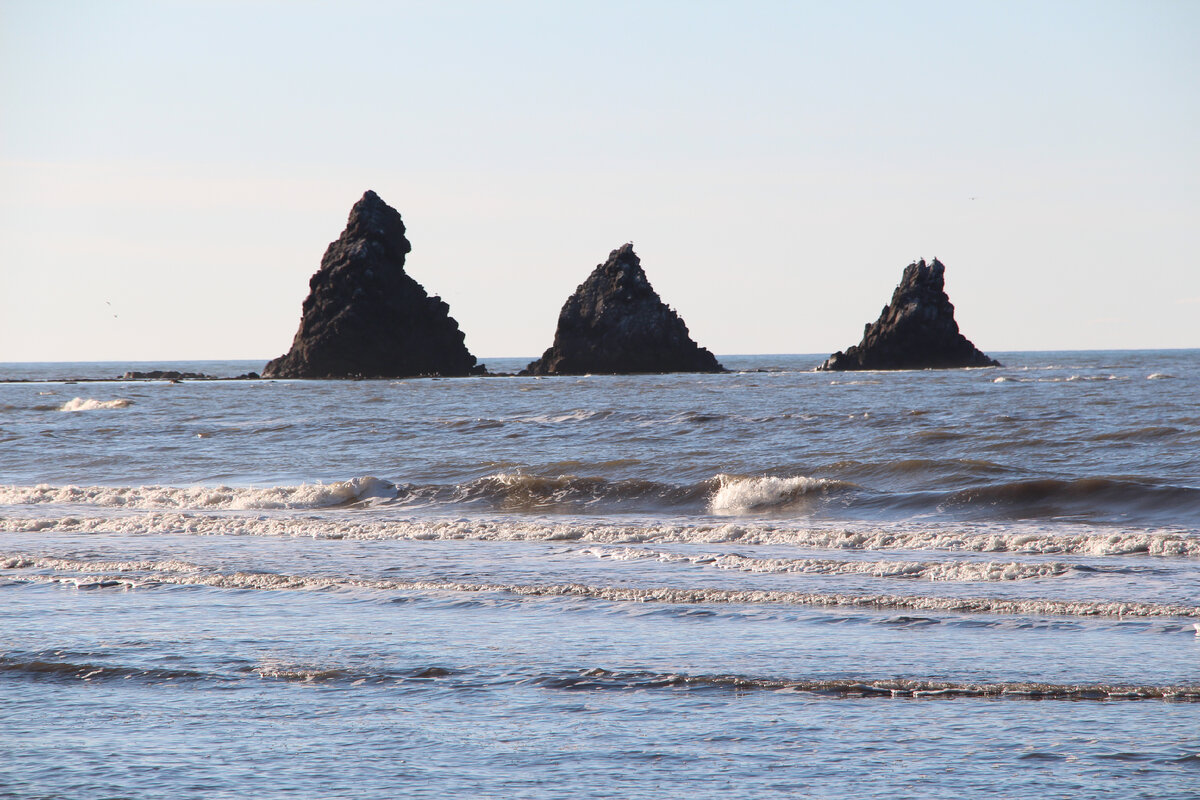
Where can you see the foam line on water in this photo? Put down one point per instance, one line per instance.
(1092, 497)
(954, 571)
(600, 679)
(315, 495)
(1089, 542)
(135, 574)
(54, 667)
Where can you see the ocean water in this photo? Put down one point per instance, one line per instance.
(771, 582)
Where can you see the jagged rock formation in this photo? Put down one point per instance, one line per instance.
(616, 323)
(365, 317)
(915, 331)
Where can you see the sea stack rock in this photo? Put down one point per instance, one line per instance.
(365, 317)
(915, 331)
(615, 323)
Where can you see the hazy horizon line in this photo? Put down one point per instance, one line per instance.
(821, 354)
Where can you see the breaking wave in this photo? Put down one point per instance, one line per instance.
(514, 491)
(314, 674)
(736, 494)
(317, 495)
(1101, 499)
(1085, 497)
(90, 404)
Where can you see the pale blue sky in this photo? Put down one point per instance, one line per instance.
(183, 165)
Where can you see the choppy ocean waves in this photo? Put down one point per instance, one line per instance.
(991, 495)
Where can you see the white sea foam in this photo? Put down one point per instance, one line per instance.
(363, 527)
(101, 574)
(1068, 379)
(954, 571)
(18, 561)
(91, 404)
(580, 415)
(274, 670)
(315, 495)
(735, 494)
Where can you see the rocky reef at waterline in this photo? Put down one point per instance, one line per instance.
(615, 323)
(365, 317)
(916, 330)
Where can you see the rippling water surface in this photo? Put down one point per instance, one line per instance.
(771, 581)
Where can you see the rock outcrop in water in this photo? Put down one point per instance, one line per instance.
(165, 375)
(615, 323)
(365, 317)
(915, 331)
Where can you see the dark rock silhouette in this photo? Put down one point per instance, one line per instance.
(165, 375)
(915, 331)
(615, 323)
(365, 317)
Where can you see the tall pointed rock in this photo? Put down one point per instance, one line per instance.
(365, 316)
(616, 323)
(915, 331)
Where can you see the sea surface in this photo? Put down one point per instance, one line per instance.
(773, 582)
